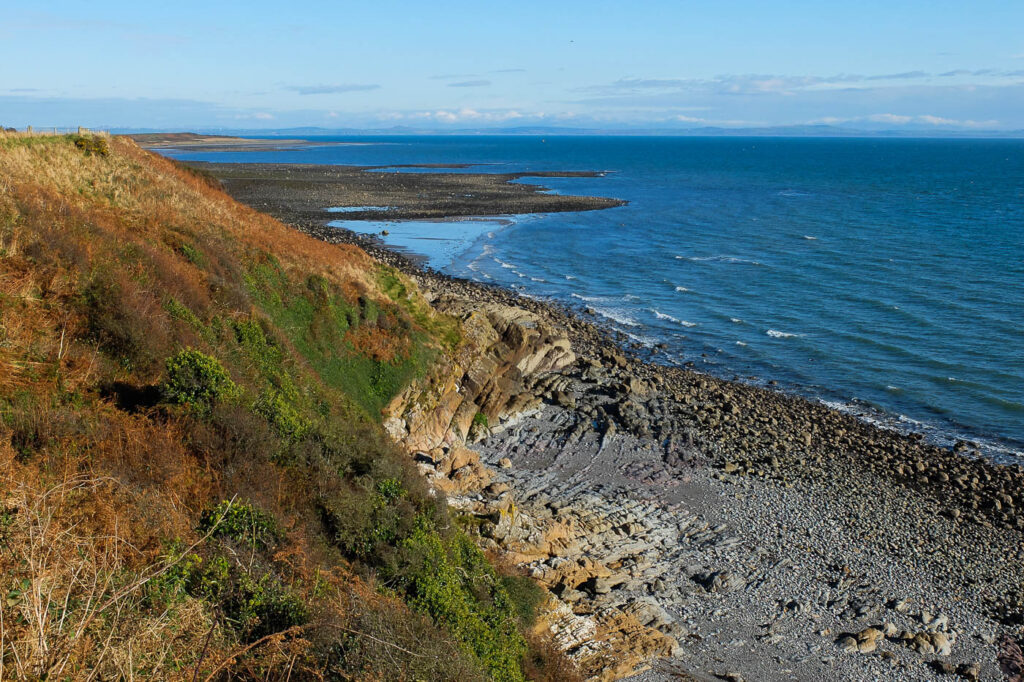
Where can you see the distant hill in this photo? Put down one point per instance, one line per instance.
(707, 131)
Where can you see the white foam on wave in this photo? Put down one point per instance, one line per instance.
(719, 259)
(736, 320)
(740, 343)
(538, 279)
(642, 339)
(616, 315)
(664, 316)
(570, 276)
(810, 238)
(901, 423)
(488, 250)
(681, 289)
(776, 334)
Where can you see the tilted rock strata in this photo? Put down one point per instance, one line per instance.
(507, 357)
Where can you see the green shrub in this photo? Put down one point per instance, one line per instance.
(241, 522)
(480, 420)
(286, 420)
(197, 380)
(253, 600)
(452, 582)
(91, 144)
(180, 311)
(367, 524)
(390, 489)
(525, 596)
(192, 255)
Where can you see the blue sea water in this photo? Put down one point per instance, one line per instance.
(882, 276)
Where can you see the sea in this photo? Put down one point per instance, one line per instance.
(883, 277)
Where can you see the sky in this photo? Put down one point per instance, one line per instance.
(454, 64)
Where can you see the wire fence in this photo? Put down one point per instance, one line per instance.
(41, 132)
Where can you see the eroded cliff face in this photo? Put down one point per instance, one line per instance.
(510, 363)
(491, 378)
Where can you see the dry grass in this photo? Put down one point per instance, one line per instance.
(74, 606)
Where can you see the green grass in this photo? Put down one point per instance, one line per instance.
(443, 327)
(23, 140)
(316, 320)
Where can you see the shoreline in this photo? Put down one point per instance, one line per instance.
(596, 338)
(916, 512)
(295, 192)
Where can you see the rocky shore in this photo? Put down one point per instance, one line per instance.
(687, 524)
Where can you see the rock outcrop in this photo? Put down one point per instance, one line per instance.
(507, 360)
(488, 381)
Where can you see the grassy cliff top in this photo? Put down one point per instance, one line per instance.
(193, 479)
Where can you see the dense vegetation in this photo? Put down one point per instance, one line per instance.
(193, 480)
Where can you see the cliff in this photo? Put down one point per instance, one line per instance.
(194, 477)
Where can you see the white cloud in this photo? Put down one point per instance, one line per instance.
(460, 115)
(890, 118)
(903, 120)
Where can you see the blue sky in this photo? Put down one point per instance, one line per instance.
(459, 64)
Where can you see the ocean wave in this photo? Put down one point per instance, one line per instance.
(681, 289)
(719, 259)
(740, 343)
(736, 320)
(776, 334)
(810, 238)
(664, 316)
(487, 250)
(570, 276)
(901, 423)
(648, 341)
(617, 316)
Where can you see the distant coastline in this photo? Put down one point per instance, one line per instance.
(810, 131)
